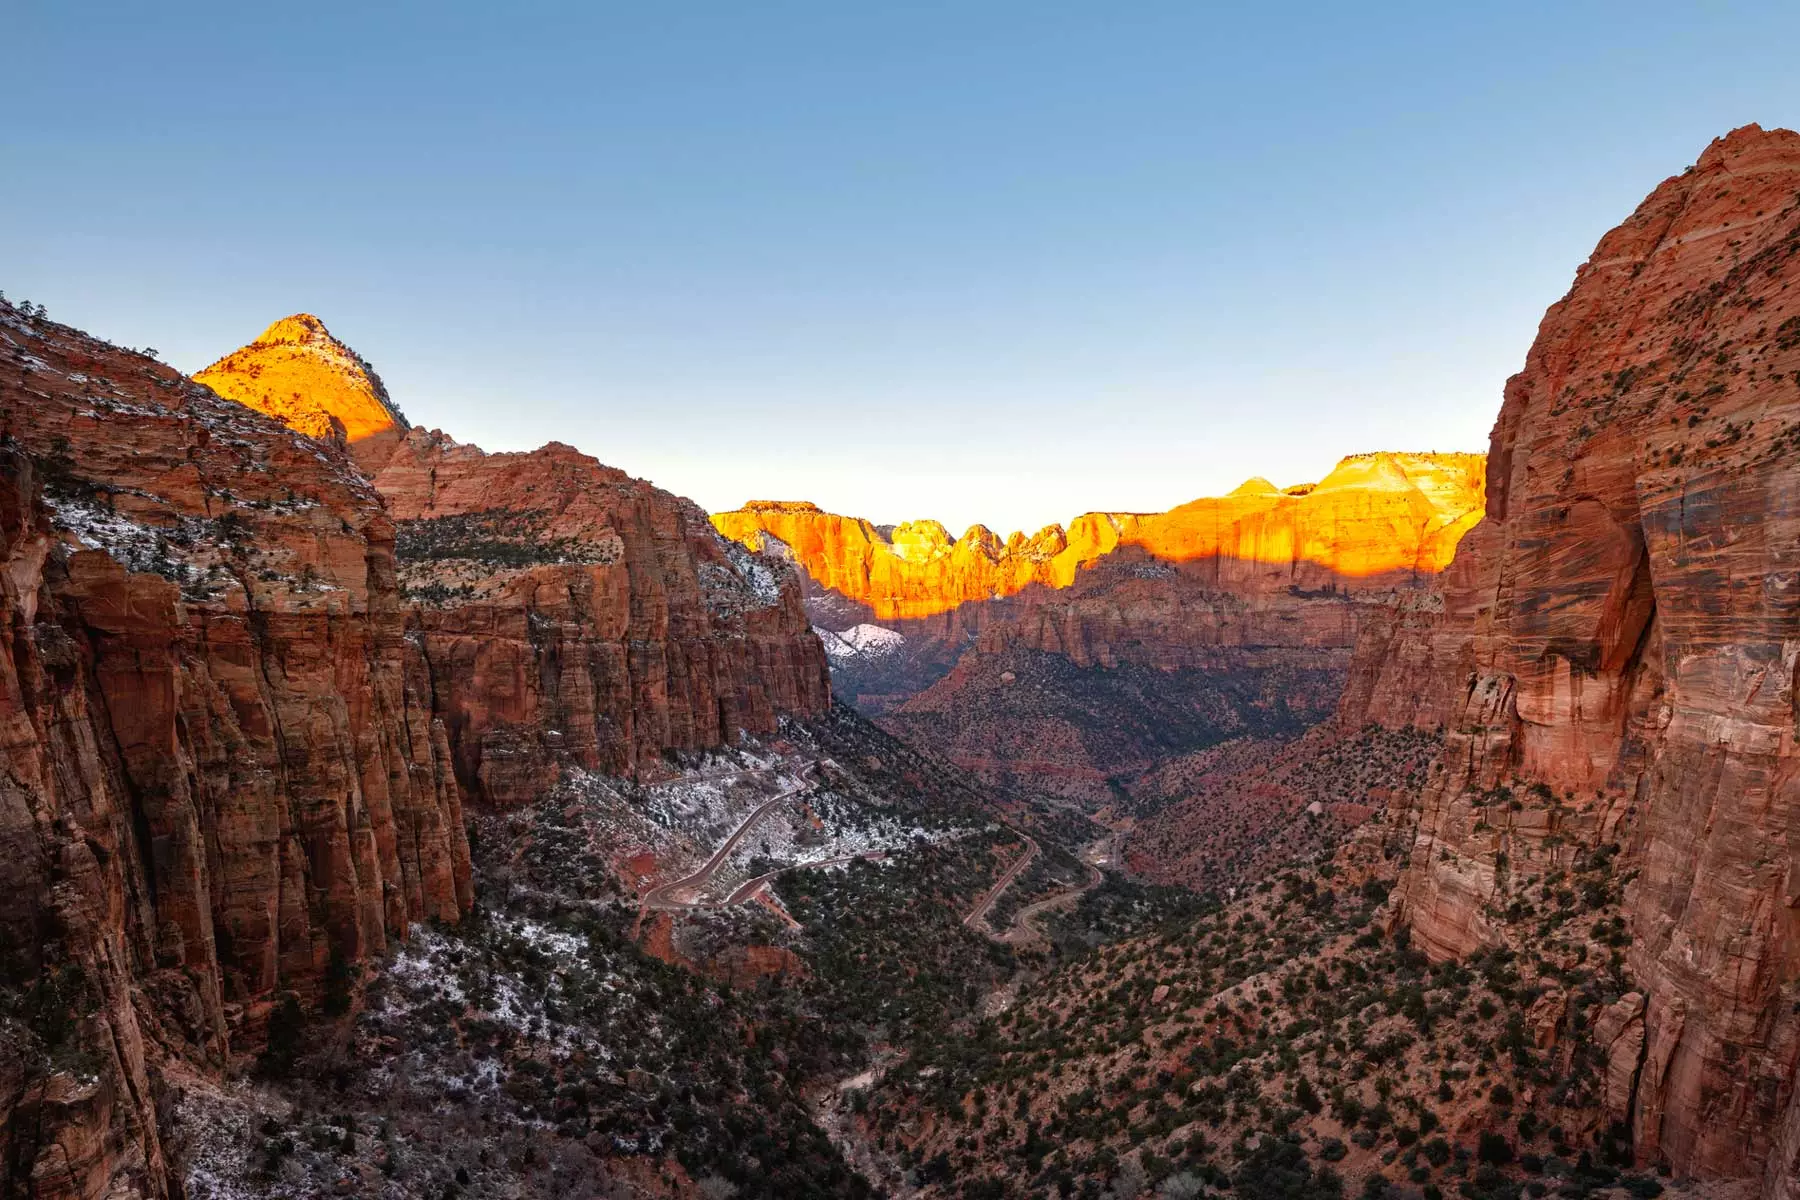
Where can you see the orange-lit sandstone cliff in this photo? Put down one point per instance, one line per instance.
(1376, 517)
(1616, 656)
(1074, 660)
(299, 374)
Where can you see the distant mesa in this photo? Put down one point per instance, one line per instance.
(1388, 514)
(301, 375)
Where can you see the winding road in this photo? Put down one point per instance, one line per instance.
(1021, 929)
(978, 915)
(682, 893)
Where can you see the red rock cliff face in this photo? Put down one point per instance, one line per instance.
(1622, 634)
(574, 615)
(220, 763)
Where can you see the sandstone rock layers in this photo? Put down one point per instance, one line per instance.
(1376, 517)
(299, 374)
(236, 697)
(1624, 632)
(1223, 617)
(569, 614)
(572, 614)
(221, 766)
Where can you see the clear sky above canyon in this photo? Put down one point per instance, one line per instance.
(978, 261)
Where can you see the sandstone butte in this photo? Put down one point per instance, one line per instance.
(1375, 520)
(299, 374)
(1615, 658)
(241, 706)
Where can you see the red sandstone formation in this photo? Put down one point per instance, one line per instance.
(220, 765)
(570, 615)
(233, 718)
(1618, 653)
(574, 615)
(1247, 607)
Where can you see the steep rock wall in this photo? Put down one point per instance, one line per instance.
(1383, 518)
(574, 615)
(220, 767)
(1622, 636)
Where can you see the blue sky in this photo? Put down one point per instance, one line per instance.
(977, 261)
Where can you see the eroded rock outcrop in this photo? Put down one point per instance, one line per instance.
(221, 772)
(1127, 638)
(1623, 633)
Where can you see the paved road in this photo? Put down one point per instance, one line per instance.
(750, 887)
(978, 915)
(681, 893)
(1022, 930)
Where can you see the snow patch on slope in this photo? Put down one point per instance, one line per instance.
(866, 642)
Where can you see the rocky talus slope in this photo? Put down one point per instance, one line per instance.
(1615, 659)
(223, 780)
(301, 375)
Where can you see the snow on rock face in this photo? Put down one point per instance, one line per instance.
(750, 582)
(865, 641)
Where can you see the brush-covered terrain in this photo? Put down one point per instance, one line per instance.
(590, 1030)
(1289, 1044)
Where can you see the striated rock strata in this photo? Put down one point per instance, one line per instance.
(299, 374)
(222, 776)
(1383, 517)
(571, 614)
(1070, 662)
(1615, 660)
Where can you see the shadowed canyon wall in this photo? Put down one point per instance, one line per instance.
(221, 766)
(571, 614)
(1069, 661)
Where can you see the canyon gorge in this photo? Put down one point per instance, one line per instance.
(1448, 799)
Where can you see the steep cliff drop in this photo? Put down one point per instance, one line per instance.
(573, 615)
(1615, 660)
(237, 698)
(569, 614)
(222, 773)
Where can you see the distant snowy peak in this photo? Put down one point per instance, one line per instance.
(860, 641)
